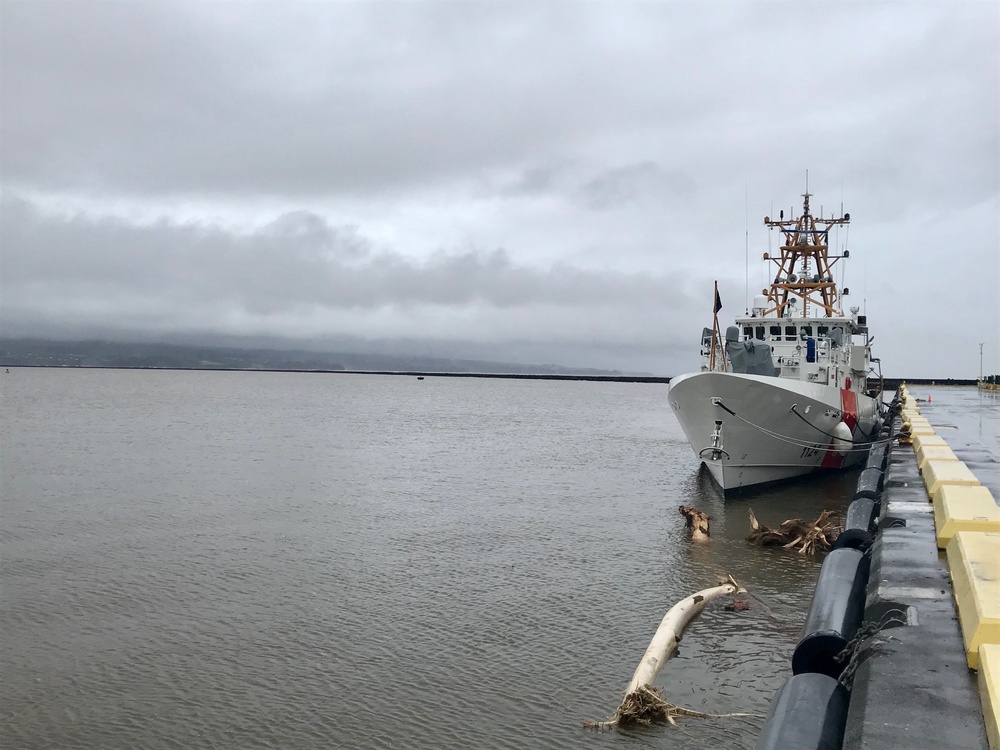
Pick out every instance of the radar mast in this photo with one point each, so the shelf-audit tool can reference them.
(805, 269)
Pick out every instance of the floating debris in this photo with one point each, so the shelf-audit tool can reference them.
(643, 704)
(737, 605)
(697, 521)
(809, 537)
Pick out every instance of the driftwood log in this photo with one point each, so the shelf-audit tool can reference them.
(697, 521)
(809, 537)
(643, 703)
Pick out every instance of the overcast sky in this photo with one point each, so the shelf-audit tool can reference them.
(552, 181)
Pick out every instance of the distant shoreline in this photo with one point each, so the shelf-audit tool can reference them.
(888, 383)
(162, 356)
(408, 373)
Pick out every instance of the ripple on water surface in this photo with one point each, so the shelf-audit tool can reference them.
(288, 561)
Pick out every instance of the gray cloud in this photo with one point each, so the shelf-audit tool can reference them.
(633, 183)
(173, 97)
(579, 171)
(102, 271)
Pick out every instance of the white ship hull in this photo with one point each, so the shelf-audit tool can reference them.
(753, 429)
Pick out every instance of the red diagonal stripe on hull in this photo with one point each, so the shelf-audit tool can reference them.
(849, 401)
(849, 405)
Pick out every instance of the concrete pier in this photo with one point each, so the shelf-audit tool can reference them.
(913, 684)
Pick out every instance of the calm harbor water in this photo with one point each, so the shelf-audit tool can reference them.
(275, 560)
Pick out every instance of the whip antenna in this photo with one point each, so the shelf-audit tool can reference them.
(746, 248)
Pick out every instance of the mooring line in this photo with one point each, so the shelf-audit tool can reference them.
(855, 446)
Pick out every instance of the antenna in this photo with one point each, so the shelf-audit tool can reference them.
(864, 285)
(746, 239)
(843, 266)
(764, 265)
(842, 246)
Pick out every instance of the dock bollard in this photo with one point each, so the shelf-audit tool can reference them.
(809, 712)
(859, 526)
(835, 613)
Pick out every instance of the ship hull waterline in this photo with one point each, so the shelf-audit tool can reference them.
(752, 429)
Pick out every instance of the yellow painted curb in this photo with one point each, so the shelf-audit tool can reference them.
(937, 473)
(961, 508)
(974, 559)
(989, 691)
(927, 453)
(920, 441)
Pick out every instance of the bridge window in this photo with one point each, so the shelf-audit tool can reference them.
(747, 332)
(775, 330)
(760, 332)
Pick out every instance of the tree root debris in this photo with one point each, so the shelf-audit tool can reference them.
(809, 537)
(644, 706)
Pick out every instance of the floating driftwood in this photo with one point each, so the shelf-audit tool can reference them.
(697, 521)
(645, 706)
(643, 703)
(807, 536)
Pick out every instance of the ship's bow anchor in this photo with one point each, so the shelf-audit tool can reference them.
(715, 450)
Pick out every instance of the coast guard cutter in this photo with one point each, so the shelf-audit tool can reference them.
(790, 388)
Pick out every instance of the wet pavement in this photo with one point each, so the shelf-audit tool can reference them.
(912, 685)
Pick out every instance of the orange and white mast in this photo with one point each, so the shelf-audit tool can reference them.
(805, 268)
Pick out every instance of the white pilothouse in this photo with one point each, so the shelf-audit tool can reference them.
(785, 391)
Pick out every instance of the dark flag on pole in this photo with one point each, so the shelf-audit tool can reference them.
(716, 342)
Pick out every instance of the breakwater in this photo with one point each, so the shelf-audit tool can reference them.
(889, 384)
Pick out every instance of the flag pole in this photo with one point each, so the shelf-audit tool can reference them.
(716, 333)
(715, 330)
